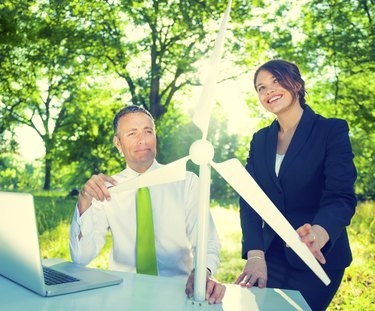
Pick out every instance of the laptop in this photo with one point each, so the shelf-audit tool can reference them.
(20, 259)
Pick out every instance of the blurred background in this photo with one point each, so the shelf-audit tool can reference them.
(66, 67)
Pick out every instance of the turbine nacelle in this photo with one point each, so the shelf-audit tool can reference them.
(201, 152)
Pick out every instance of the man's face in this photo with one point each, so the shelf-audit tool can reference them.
(136, 139)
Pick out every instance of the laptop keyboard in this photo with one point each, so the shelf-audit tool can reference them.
(53, 277)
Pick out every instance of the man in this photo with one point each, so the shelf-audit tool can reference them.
(174, 211)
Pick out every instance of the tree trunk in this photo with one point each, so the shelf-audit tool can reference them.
(47, 176)
(48, 166)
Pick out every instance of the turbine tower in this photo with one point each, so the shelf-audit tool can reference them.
(201, 153)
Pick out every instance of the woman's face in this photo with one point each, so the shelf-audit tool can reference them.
(273, 97)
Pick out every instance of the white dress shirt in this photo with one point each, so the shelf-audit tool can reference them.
(175, 216)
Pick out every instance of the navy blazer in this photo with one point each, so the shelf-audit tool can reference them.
(315, 185)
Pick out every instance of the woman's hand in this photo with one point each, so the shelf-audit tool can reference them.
(315, 237)
(255, 270)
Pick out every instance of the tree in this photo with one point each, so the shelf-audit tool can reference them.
(41, 71)
(155, 46)
(59, 43)
(341, 52)
(86, 147)
(333, 42)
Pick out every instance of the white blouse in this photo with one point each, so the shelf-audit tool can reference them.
(279, 160)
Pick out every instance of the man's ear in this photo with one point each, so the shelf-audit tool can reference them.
(116, 142)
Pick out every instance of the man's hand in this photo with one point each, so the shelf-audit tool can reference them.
(315, 237)
(94, 188)
(214, 290)
(255, 270)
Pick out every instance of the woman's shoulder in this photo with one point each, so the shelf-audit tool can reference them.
(320, 118)
(331, 128)
(330, 122)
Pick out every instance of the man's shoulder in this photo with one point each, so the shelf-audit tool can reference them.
(189, 175)
(120, 176)
(119, 173)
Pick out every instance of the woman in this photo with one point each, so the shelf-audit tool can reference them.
(304, 163)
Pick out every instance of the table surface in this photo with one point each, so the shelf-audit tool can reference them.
(144, 292)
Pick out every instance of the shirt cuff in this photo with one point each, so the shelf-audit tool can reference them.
(81, 223)
(212, 264)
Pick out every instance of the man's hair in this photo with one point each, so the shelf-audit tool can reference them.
(127, 110)
(288, 76)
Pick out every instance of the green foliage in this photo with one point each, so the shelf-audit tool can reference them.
(363, 148)
(175, 132)
(86, 147)
(67, 66)
(67, 48)
(59, 61)
(16, 174)
(358, 285)
(153, 46)
(41, 72)
(333, 42)
(225, 145)
(52, 209)
(341, 56)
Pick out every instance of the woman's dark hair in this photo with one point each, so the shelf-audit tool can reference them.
(288, 75)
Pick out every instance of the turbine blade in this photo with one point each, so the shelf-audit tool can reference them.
(167, 173)
(241, 181)
(203, 109)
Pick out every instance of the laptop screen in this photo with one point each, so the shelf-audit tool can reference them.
(19, 246)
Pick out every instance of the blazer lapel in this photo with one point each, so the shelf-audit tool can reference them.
(271, 147)
(299, 138)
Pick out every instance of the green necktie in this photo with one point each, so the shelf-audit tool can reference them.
(145, 249)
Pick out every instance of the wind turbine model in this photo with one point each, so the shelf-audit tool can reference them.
(201, 153)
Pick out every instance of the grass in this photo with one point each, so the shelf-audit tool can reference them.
(357, 290)
(355, 293)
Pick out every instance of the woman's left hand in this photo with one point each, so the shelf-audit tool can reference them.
(315, 237)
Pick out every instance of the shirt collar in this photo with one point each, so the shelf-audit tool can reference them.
(130, 173)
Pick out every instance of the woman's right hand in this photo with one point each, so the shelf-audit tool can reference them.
(255, 270)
